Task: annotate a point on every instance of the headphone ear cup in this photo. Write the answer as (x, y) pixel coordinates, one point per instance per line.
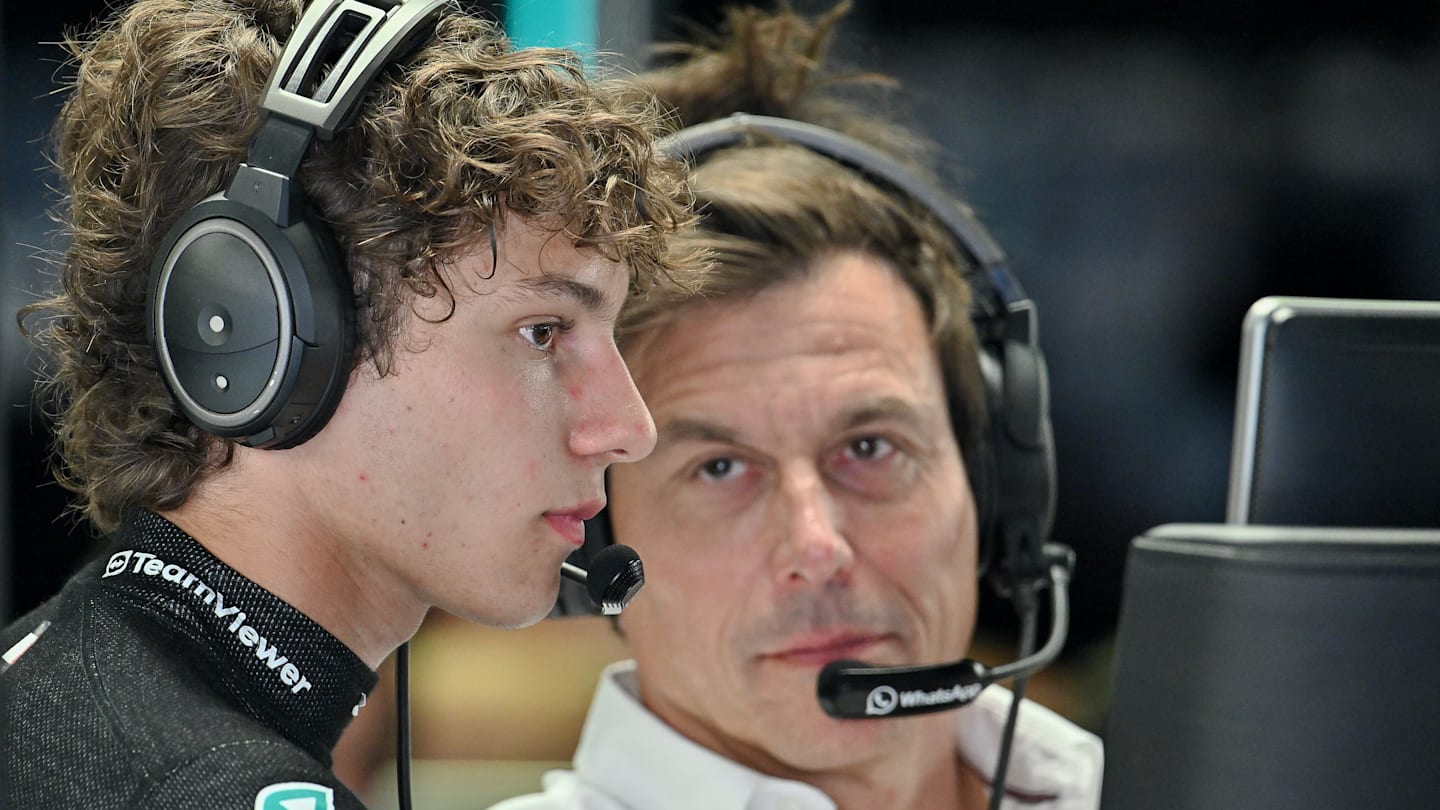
(250, 308)
(1023, 468)
(980, 462)
(252, 324)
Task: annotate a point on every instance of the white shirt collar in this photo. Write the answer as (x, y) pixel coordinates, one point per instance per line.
(1050, 758)
(675, 771)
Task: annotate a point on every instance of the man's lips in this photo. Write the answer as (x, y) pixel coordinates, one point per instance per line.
(570, 523)
(821, 650)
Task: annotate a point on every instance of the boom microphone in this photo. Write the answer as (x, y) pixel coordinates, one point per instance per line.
(855, 690)
(615, 576)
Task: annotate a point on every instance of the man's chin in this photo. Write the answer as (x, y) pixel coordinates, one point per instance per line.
(518, 610)
(817, 742)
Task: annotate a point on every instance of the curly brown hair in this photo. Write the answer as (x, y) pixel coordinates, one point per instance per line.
(770, 211)
(161, 107)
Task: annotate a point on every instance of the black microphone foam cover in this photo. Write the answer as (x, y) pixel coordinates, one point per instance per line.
(616, 575)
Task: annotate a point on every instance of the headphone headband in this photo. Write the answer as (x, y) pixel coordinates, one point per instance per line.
(1003, 290)
(357, 39)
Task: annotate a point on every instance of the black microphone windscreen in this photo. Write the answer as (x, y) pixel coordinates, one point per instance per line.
(616, 575)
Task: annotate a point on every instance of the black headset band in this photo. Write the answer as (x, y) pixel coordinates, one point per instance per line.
(316, 88)
(999, 294)
(357, 40)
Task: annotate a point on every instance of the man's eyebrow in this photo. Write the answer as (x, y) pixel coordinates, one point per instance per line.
(695, 430)
(885, 408)
(591, 298)
(699, 430)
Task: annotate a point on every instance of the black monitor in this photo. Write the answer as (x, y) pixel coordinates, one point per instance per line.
(1337, 419)
(1269, 667)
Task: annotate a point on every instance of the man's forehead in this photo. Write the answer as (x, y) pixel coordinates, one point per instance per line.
(582, 277)
(728, 425)
(770, 358)
(847, 289)
(542, 259)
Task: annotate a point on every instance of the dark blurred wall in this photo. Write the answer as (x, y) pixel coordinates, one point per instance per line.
(38, 546)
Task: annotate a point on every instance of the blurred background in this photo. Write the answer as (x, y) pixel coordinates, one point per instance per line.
(1151, 169)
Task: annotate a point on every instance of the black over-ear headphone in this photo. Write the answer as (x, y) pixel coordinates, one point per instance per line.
(1014, 476)
(250, 308)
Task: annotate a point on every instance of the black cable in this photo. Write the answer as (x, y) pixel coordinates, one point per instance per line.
(402, 724)
(1029, 609)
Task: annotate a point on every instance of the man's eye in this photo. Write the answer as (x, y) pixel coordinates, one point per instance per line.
(721, 469)
(542, 335)
(869, 447)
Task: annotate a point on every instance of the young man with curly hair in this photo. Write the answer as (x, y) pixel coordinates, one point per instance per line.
(492, 209)
(815, 494)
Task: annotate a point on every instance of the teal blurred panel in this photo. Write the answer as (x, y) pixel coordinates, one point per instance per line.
(553, 23)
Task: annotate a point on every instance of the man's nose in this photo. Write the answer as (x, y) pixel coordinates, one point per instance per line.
(814, 548)
(614, 424)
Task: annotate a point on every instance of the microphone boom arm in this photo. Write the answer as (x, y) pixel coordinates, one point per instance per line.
(853, 690)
